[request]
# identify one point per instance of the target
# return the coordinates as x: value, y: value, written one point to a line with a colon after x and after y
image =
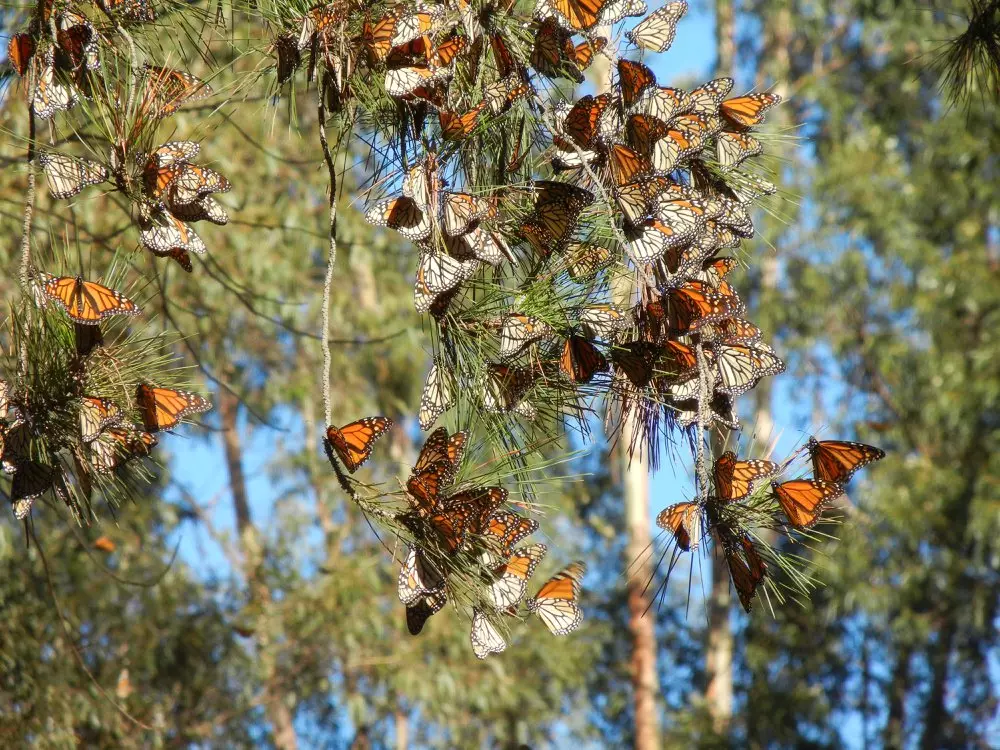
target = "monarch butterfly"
x: 481, y: 244
x: 439, y: 273
x: 507, y: 590
x: 578, y: 15
x: 95, y: 415
x: 732, y: 149
x: 721, y: 410
x: 694, y: 303
x: 435, y: 468
x: 132, y: 10
x: 627, y: 165
x: 732, y: 331
x: 455, y: 127
x: 747, y: 568
x: 377, y: 39
x: 615, y: 10
x: 741, y: 366
x: 582, y: 54
x: 193, y: 182
x: 485, y: 638
x: 642, y: 131
x: 403, y: 81
x: 657, y: 31
x: 634, y: 79
x: 581, y: 360
x: 4, y: 402
x: 204, y: 209
x: 636, y: 360
x: 20, y: 51
x: 170, y: 153
x: 659, y: 102
x: 118, y: 445
x: 678, y: 359
x: 505, y: 388
x: 454, y: 519
x: 289, y: 56
x: 749, y: 110
x: 163, y: 408
x: 166, y: 236
x: 479, y: 505
x: 422, y: 20
x: 86, y: 302
x: 504, y: 530
x: 403, y: 215
x: 437, y: 396
x: 76, y: 44
x: 353, y: 442
x: 556, y: 601
x: 651, y: 240
x: 583, y: 261
x: 557, y: 207
x: 734, y: 480
x: 425, y: 485
x: 706, y: 99
x: 838, y: 460
x: 15, y: 446
x: 684, y: 521
x: 583, y: 122
x: 170, y: 88
x: 460, y: 210
x: 501, y: 96
x: 518, y: 332
x: 679, y: 143
x: 418, y: 577
x: 418, y: 613
x: 49, y: 95
x: 31, y: 480
x: 602, y: 321
x: 67, y: 175
x: 636, y: 199
x: 803, y: 500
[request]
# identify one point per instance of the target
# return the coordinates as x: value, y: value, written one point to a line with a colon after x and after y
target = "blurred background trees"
x: 276, y: 623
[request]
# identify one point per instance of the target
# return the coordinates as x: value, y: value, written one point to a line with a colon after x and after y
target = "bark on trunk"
x: 641, y: 623
x: 892, y: 735
x: 278, y: 712
x: 402, y: 730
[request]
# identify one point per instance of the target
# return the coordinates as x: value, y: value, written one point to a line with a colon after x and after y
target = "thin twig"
x: 331, y: 258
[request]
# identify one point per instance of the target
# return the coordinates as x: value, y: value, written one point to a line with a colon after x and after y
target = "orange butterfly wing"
x: 838, y: 460
x: 353, y: 442
x: 581, y: 360
x: 803, y: 500
x: 748, y: 111
x: 87, y: 302
x: 734, y: 479
x: 163, y: 408
x: 683, y: 520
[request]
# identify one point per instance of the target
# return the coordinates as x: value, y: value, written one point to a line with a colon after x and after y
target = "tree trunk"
x: 936, y: 715
x: 641, y: 625
x: 402, y: 730
x: 278, y: 712
x: 892, y: 735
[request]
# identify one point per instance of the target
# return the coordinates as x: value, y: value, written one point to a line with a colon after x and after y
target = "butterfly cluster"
x: 456, y: 528
x: 58, y: 57
x: 65, y: 424
x: 800, y: 502
x: 105, y: 440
